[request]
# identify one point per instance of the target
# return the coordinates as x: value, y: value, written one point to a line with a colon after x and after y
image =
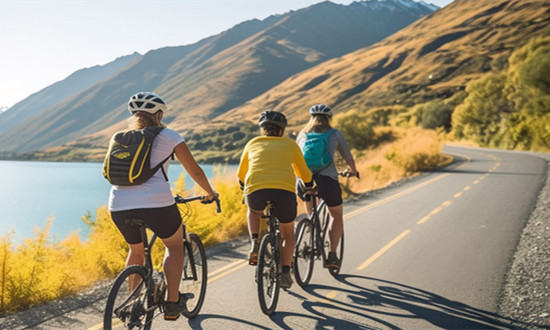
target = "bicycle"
x: 269, y: 268
x: 313, y: 240
x: 138, y: 291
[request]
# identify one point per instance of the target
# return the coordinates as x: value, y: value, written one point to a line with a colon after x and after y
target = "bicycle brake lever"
x: 219, y: 208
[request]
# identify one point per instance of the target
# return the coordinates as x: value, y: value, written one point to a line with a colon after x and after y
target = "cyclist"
x: 267, y: 172
x: 326, y: 179
x: 153, y: 202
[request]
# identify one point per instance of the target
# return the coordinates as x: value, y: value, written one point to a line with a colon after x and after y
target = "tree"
x: 433, y: 115
x: 479, y: 116
x: 357, y: 129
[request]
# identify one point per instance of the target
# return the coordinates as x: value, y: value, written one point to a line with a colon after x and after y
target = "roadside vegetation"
x: 510, y: 109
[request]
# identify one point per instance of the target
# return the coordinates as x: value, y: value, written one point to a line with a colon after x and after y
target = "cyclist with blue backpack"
x: 319, y: 142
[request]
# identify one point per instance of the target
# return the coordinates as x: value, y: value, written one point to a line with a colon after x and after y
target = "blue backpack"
x: 316, y: 150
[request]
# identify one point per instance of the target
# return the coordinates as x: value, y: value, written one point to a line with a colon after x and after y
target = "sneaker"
x: 173, y: 310
x: 253, y: 256
x: 332, y: 261
x: 286, y: 280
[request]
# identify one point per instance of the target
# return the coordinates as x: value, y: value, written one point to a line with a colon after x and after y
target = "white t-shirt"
x: 156, y: 191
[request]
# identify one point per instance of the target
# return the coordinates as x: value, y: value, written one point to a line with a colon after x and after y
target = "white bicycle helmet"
x: 146, y: 102
x: 321, y: 109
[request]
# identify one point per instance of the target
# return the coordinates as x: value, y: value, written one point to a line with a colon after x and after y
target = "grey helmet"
x: 272, y: 117
x: 146, y: 102
x: 321, y: 109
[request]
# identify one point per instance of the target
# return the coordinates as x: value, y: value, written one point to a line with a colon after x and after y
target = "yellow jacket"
x: 272, y: 162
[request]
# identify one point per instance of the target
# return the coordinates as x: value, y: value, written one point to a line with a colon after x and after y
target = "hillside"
x: 53, y: 94
x: 433, y: 58
x: 206, y: 79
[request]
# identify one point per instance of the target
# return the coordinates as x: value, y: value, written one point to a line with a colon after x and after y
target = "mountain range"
x: 369, y: 53
x: 205, y: 79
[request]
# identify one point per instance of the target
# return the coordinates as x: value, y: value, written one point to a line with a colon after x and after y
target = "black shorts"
x: 284, y: 200
x: 329, y: 190
x: 163, y: 221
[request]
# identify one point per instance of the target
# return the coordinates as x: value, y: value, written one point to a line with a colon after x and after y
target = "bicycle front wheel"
x: 304, y: 252
x: 129, y: 305
x: 267, y: 275
x: 195, y: 275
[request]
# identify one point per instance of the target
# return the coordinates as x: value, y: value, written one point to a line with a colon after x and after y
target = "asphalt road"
x: 430, y: 252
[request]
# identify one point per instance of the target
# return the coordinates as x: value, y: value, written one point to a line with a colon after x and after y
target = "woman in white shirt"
x: 153, y: 202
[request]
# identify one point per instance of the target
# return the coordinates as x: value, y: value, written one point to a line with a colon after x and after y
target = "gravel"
x: 526, y: 294
x: 524, y: 301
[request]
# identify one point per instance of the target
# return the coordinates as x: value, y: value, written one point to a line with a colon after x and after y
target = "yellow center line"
x: 383, y: 250
x: 458, y: 194
x: 237, y: 266
x: 221, y: 269
x: 403, y: 193
x: 393, y: 197
x: 328, y: 296
x: 98, y: 326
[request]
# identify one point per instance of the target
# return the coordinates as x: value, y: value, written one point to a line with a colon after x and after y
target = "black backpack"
x: 128, y: 159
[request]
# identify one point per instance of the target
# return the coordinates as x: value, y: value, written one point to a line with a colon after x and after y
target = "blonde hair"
x: 143, y: 119
x: 318, y: 124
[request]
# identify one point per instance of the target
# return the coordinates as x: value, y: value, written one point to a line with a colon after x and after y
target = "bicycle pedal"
x: 188, y: 296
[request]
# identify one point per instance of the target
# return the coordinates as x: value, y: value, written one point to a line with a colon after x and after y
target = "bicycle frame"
x: 273, y: 232
x: 319, y: 233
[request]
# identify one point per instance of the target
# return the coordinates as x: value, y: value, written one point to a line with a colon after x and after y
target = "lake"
x: 32, y: 192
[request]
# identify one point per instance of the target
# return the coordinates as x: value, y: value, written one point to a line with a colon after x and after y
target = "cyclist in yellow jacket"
x: 267, y: 172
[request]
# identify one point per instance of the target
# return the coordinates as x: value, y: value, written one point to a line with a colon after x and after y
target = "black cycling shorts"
x: 163, y: 221
x: 329, y: 190
x: 284, y: 200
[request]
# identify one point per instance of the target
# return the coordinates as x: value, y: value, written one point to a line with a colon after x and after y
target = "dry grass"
x: 414, y: 150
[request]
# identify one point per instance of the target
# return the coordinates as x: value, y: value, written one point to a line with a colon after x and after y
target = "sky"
x: 44, y: 41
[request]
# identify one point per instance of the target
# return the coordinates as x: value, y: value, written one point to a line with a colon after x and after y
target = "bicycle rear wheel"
x: 194, y: 277
x: 304, y: 252
x: 129, y: 305
x: 267, y: 276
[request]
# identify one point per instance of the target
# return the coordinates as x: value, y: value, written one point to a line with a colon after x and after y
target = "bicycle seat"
x: 135, y: 222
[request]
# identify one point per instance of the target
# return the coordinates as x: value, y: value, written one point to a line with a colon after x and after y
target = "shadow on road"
x: 237, y: 323
x: 370, y: 302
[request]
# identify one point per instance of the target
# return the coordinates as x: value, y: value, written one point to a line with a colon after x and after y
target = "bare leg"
x: 173, y: 264
x: 337, y: 228
x: 136, y: 256
x: 254, y: 221
x: 288, y: 242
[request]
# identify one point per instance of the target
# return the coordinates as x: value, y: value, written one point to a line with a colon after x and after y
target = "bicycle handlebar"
x: 347, y: 174
x: 203, y: 199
